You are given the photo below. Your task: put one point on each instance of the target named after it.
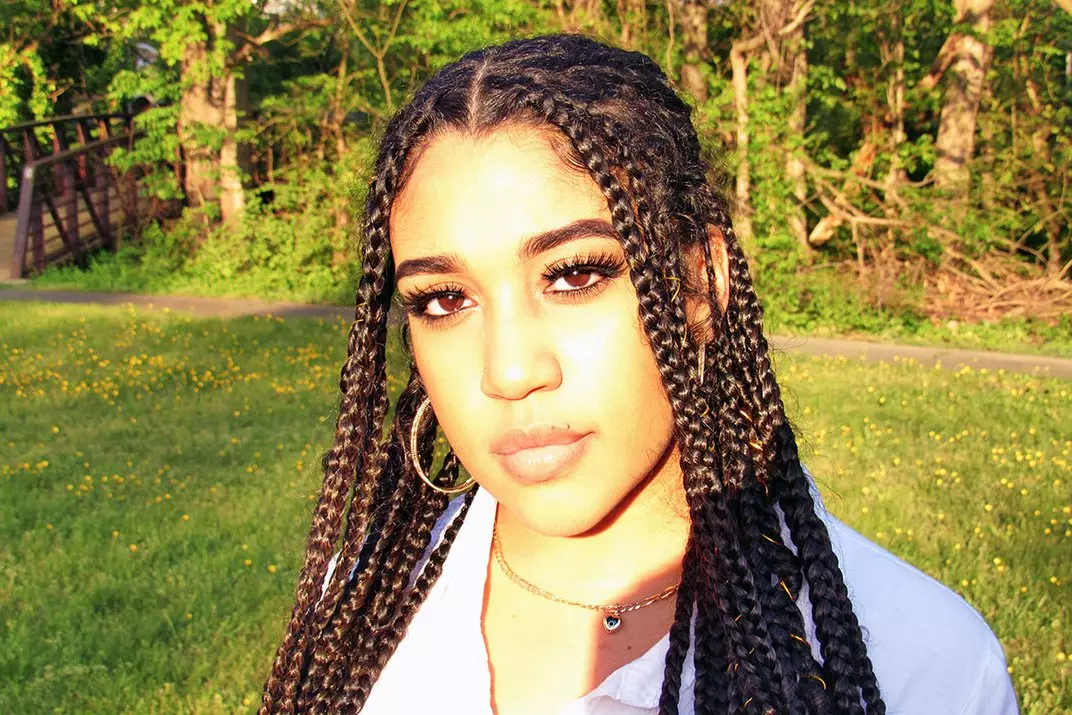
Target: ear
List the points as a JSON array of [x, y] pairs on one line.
[[697, 306]]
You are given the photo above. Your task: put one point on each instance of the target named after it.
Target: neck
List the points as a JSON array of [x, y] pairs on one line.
[[634, 552]]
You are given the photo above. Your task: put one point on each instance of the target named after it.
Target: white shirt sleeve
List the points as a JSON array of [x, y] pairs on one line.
[[993, 693], [931, 651]]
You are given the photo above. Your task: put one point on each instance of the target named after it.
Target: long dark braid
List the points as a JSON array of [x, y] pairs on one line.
[[619, 121]]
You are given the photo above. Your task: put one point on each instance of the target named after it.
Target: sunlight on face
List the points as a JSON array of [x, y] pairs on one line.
[[525, 331]]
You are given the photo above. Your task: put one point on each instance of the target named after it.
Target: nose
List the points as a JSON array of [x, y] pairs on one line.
[[518, 359]]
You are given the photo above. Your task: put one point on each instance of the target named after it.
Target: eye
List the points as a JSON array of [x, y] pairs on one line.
[[581, 274], [435, 304], [445, 304], [577, 279]]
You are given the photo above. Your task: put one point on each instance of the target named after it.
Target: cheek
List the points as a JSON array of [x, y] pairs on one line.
[[612, 377], [450, 369], [630, 395], [607, 357]]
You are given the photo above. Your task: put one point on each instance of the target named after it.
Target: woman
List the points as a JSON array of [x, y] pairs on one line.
[[633, 530]]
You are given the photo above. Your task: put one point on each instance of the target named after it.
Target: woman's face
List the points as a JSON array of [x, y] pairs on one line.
[[525, 331]]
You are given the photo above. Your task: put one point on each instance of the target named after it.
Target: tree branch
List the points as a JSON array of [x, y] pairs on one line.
[[378, 53], [798, 19], [745, 46], [274, 32], [941, 62], [670, 29]]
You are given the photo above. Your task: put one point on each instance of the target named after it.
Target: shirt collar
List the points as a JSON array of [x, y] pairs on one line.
[[637, 684]]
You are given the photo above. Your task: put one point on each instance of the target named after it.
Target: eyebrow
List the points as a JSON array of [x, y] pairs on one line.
[[532, 247]]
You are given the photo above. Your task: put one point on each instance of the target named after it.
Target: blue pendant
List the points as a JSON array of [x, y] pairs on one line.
[[611, 622]]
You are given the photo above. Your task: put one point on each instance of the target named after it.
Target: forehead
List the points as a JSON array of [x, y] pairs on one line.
[[483, 195]]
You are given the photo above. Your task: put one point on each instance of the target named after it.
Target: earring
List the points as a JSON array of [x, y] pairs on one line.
[[414, 458]]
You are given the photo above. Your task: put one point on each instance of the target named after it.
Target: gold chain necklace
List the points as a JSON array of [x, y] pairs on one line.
[[612, 613]]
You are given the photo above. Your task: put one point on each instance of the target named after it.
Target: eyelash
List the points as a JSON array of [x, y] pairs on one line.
[[605, 265]]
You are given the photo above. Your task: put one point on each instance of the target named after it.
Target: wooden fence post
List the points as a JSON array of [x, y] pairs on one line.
[[37, 230], [23, 225], [66, 190], [103, 210]]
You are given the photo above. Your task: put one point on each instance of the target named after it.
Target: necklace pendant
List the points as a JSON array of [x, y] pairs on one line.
[[611, 622]]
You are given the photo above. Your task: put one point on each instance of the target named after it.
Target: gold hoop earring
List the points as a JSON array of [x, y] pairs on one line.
[[414, 458]]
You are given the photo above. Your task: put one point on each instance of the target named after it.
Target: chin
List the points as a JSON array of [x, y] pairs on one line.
[[556, 509]]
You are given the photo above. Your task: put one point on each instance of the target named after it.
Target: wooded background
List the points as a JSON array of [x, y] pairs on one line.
[[917, 150]]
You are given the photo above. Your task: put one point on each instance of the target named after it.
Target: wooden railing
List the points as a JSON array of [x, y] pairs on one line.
[[23, 144], [71, 202]]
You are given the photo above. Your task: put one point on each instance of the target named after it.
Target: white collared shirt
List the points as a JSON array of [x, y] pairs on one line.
[[932, 653]]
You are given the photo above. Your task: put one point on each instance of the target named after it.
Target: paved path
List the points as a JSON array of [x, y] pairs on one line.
[[228, 308]]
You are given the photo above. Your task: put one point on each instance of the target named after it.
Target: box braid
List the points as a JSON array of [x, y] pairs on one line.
[[836, 624], [614, 116]]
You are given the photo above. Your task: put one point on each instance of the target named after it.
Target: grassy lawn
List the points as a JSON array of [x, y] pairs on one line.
[[156, 473]]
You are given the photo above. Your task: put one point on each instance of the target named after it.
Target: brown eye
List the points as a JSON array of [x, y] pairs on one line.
[[446, 304], [577, 279]]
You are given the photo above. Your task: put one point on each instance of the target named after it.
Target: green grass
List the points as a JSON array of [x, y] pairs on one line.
[[156, 473], [964, 474]]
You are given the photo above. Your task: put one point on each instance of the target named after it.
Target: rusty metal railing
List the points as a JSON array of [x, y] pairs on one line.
[[72, 202], [22, 144]]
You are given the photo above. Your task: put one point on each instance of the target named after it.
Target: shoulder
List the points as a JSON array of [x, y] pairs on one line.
[[441, 524], [932, 652]]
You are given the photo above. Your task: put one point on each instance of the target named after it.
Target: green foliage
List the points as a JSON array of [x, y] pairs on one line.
[[25, 86], [48, 61], [291, 251], [441, 31]]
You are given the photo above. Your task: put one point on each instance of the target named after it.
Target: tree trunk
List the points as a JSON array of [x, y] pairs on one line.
[[694, 36], [969, 58], [337, 118], [583, 14], [210, 102], [197, 107], [739, 67], [234, 159], [633, 16], [794, 165], [895, 92], [1037, 183]]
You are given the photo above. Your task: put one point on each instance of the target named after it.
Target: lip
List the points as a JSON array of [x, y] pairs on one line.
[[539, 454]]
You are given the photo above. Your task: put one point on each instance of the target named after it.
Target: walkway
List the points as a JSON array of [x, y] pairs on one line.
[[230, 308]]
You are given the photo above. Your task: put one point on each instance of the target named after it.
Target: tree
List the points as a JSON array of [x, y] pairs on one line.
[[43, 58], [204, 51], [855, 125], [964, 60], [693, 14], [777, 36]]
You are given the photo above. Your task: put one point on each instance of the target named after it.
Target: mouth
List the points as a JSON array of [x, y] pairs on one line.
[[539, 455]]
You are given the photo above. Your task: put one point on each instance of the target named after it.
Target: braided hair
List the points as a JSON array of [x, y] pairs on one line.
[[621, 122]]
